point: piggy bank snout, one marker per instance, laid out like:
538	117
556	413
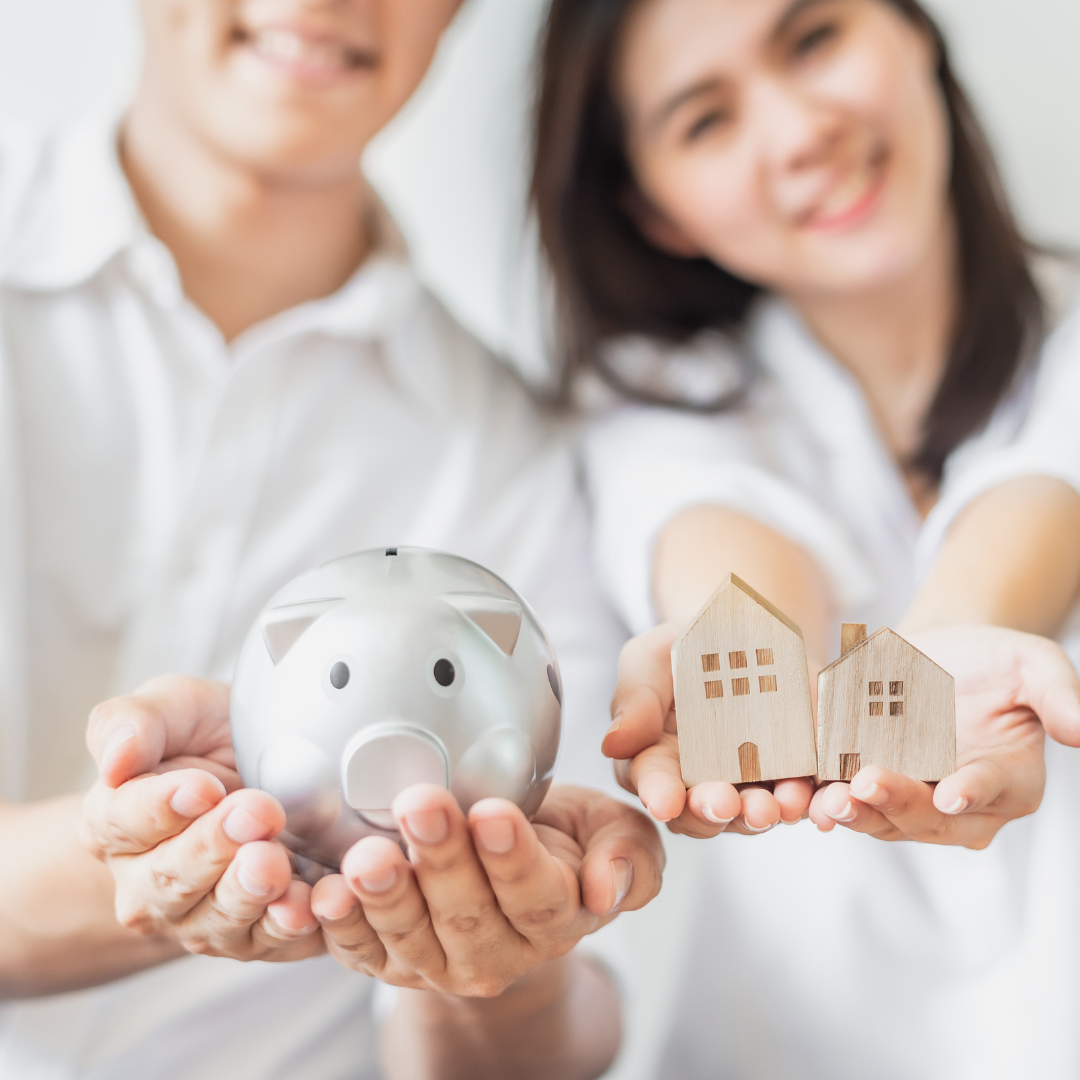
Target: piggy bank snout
382	760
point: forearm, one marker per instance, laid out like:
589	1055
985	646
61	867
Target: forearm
58	931
563	1020
1012	559
699	547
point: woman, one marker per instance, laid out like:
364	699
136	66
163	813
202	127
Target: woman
784	214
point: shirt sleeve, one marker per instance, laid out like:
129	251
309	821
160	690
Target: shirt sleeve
646	465
1046	442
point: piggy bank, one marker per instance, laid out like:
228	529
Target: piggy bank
385	669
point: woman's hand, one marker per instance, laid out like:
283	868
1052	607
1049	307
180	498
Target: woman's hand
483	900
1011	689
643	738
193	856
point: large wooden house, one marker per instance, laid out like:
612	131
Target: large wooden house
742	692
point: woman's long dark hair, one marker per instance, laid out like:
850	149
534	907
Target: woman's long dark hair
611	281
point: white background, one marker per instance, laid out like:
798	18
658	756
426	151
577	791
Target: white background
455	169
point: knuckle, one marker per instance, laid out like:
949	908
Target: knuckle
461	923
485	985
539	917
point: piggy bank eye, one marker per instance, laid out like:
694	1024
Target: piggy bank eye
444	672
339	675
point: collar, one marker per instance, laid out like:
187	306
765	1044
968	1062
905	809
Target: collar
72	210
73	213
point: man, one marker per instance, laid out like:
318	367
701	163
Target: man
217	370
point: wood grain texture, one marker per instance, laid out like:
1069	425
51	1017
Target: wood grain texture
890	705
851	634
763	725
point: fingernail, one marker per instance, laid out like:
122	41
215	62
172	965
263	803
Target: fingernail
428	826
709	814
378	883
622	876
117	739
847	814
866	792
282	922
189	804
496	834
251	884
958	807
750	828
242	827
653	814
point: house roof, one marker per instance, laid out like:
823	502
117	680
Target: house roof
752	594
876	634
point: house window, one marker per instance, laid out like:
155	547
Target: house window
877	708
896	689
710	661
714	688
876	689
896	708
740	687
766	684
765	657
737	660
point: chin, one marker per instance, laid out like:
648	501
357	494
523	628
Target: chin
302	148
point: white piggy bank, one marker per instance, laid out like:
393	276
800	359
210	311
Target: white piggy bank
385	669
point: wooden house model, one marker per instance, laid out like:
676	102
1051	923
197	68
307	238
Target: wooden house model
885	703
742	692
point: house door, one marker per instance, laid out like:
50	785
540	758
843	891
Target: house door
849	766
749	763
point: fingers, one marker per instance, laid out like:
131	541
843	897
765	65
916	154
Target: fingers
537	892
128	736
349	936
715	804
793	797
142	813
172	879
644	692
894	807
656	776
460	900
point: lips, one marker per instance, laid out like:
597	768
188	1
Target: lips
303	53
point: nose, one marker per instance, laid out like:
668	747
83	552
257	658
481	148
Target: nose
796	131
382	760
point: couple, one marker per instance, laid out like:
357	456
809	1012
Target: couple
218	370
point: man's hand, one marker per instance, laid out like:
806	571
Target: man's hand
643	738
1011	689
193	855
482	901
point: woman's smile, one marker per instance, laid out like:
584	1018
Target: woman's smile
852	199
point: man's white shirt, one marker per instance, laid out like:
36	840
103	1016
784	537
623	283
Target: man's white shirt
158	485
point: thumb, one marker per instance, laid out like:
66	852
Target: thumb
1050	687
170	715
644	693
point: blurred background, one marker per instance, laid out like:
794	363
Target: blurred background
454	168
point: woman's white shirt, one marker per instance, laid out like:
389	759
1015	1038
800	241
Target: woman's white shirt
158	484
803	454
802	955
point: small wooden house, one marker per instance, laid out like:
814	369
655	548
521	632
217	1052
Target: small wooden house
742	692
885	703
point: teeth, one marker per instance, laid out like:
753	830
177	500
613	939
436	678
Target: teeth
287	47
847	193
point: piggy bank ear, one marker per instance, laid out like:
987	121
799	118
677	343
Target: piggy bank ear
497	616
283	626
